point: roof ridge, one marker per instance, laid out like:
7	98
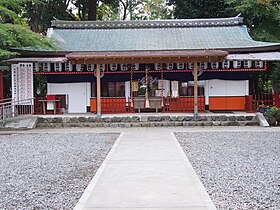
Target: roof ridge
172	23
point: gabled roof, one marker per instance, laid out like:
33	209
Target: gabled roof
187	34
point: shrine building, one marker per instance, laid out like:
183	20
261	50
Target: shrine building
187	65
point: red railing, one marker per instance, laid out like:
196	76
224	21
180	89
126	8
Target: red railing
111	105
260	99
183	104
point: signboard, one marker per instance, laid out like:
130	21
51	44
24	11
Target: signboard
22	82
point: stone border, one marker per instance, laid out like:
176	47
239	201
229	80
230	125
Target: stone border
147	121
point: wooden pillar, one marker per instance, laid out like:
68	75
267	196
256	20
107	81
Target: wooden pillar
147	102
195	91
98	88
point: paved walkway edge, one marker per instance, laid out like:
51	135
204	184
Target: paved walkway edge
82	201
195	177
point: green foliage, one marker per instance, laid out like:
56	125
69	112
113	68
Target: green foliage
262	17
14	32
152	10
274	112
200	9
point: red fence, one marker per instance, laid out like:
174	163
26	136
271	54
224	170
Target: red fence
111	105
183	104
262	99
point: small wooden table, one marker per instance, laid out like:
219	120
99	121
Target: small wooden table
45	103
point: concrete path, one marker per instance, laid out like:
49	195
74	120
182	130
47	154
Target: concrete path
145	169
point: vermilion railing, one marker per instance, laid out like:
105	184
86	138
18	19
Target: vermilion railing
183	104
111	105
260	99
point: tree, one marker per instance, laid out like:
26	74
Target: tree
39	13
87	10
152	10
14	31
263	19
200	9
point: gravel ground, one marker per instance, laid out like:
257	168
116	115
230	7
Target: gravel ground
49	171
240	170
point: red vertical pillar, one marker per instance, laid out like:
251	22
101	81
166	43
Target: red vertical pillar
1	85
277	99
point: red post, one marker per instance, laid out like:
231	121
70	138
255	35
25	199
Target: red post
276	97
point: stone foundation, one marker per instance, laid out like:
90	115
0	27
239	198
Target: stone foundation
147	121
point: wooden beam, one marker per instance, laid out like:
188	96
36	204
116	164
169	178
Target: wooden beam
195	91
144	60
98	88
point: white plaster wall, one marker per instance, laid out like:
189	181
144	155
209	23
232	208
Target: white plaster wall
78	95
228	87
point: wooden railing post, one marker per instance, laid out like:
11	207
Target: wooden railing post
195	91
98	88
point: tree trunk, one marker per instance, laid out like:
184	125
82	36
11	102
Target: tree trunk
35	20
92	10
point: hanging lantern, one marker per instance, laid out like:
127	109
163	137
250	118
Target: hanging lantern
180	66
113	67
236	64
191	66
247	64
68	66
259	64
214	65
124	67
203	65
158	66
226	64
135	66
